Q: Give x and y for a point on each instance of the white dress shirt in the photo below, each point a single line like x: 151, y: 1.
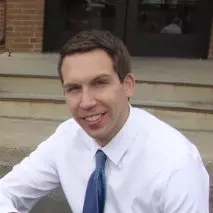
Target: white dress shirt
x: 151, y: 168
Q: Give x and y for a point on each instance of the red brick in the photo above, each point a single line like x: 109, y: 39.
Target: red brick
x: 21, y: 40
x: 37, y: 46
x: 12, y: 33
x: 22, y: 46
x: 25, y: 25
x: 38, y: 34
x: 211, y: 43
x: 28, y: 34
x: 36, y: 40
x: 21, y: 29
x: 2, y: 19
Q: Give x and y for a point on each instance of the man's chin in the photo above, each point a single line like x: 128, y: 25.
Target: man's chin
x: 98, y: 137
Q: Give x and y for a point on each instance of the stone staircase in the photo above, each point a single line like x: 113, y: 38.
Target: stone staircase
x: 179, y: 92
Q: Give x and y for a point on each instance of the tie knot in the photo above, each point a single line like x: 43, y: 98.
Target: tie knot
x: 100, y: 159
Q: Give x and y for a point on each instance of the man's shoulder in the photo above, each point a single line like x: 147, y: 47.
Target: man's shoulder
x: 163, y: 141
x: 170, y: 144
x: 65, y: 131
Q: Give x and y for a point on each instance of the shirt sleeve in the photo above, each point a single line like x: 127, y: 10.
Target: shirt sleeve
x: 187, y: 190
x: 30, y: 180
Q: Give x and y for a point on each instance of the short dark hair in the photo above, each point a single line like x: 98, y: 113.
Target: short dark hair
x: 86, y: 41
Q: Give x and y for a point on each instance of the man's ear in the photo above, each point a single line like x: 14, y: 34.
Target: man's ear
x: 129, y: 84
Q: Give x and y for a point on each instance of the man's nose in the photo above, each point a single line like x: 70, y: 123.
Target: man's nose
x: 87, y: 100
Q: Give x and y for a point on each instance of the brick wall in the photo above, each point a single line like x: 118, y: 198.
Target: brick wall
x: 2, y: 19
x: 211, y: 43
x: 24, y: 31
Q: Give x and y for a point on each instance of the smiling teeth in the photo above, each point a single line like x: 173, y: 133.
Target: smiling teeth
x: 93, y: 118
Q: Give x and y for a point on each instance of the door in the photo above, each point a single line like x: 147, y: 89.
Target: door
x: 177, y: 28
x: 65, y: 18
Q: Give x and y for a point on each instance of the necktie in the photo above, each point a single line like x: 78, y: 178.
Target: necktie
x: 96, y: 187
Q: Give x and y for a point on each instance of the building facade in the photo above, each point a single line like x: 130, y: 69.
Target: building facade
x: 158, y: 28
x: 2, y: 22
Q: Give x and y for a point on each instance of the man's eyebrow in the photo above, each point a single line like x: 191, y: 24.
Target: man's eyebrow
x: 101, y: 76
x: 69, y: 85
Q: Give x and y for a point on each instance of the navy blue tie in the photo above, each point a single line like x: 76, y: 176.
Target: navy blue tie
x: 96, y: 188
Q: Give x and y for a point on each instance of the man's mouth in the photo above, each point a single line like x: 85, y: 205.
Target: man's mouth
x: 94, y: 118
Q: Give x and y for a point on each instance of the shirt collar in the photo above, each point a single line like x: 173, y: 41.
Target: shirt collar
x: 119, y: 145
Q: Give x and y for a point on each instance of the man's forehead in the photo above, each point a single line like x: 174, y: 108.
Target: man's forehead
x: 75, y: 70
x: 88, y: 79
x: 96, y: 54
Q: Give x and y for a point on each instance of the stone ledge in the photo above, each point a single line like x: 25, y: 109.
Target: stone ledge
x: 146, y: 69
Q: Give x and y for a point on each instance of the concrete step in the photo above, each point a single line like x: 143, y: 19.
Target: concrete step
x: 34, y: 109
x: 145, y: 90
x: 20, y: 136
x: 165, y: 95
x: 30, y: 85
x: 190, y: 71
x: 137, y: 99
x: 173, y: 92
x: 178, y: 115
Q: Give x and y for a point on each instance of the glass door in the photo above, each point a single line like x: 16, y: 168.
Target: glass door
x: 65, y: 18
x: 177, y: 28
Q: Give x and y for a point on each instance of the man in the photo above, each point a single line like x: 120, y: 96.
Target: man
x: 173, y: 27
x: 110, y: 157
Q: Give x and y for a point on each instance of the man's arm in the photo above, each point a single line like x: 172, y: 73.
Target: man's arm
x: 187, y: 190
x: 30, y: 180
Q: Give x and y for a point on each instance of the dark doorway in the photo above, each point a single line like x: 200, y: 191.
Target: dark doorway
x: 64, y: 18
x: 176, y: 28
x: 170, y: 28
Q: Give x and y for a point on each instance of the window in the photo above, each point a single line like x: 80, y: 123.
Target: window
x: 167, y: 16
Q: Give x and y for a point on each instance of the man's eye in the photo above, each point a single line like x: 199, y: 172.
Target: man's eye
x: 72, y: 89
x: 99, y: 83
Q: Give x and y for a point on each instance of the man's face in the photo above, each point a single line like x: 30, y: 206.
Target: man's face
x: 96, y: 98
